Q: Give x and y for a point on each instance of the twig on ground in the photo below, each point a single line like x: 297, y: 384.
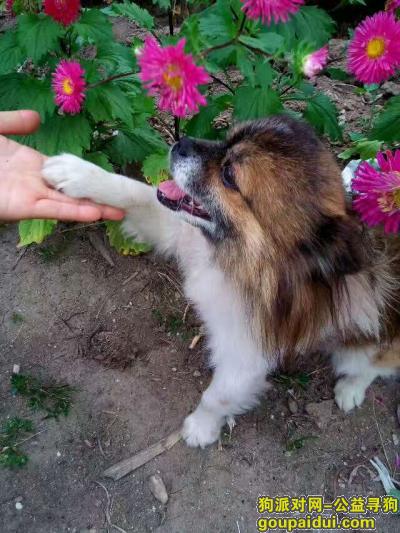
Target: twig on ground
x: 20, y: 256
x: 126, y: 466
x: 107, y: 509
x: 98, y: 245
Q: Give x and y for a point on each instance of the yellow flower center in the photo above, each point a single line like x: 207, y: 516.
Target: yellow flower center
x: 68, y: 86
x: 375, y: 47
x: 173, y: 78
x: 396, y: 198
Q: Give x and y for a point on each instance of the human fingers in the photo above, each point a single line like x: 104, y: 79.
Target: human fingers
x: 107, y: 212
x: 18, y: 122
x: 78, y: 211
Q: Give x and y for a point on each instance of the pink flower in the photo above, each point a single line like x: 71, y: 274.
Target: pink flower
x: 69, y: 86
x: 279, y: 10
x: 374, y: 52
x: 315, y: 62
x: 378, y: 192
x: 63, y: 11
x: 392, y: 5
x: 9, y: 7
x: 172, y: 76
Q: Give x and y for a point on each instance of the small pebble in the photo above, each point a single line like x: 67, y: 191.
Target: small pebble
x: 19, y: 506
x: 293, y: 407
x: 395, y: 439
x: 196, y: 374
x: 158, y: 488
x: 174, y: 369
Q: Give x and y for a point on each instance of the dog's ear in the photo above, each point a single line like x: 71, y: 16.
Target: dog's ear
x: 333, y: 250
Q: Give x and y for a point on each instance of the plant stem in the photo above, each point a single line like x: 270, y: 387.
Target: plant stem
x: 218, y: 80
x: 228, y: 43
x: 171, y: 18
x: 112, y: 78
x: 177, y: 128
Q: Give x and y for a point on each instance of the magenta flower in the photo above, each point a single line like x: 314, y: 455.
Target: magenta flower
x: 69, y: 86
x: 315, y: 62
x: 378, y: 192
x: 9, y: 7
x: 392, y: 5
x: 278, y: 10
x: 63, y: 11
x: 172, y: 76
x: 374, y: 52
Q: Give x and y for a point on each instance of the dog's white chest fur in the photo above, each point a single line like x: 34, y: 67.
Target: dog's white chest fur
x: 216, y: 299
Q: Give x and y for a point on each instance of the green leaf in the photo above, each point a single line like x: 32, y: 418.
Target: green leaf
x: 124, y: 245
x: 132, y: 11
x: 201, y: 125
x: 338, y: 74
x: 387, y: 124
x: 264, y: 73
x: 216, y: 23
x: 61, y: 134
x: 20, y: 91
x: 246, y: 65
x: 38, y: 34
x: 10, y: 52
x: 268, y: 42
x: 36, y: 230
x: 364, y: 148
x: 155, y: 168
x: 310, y: 24
x: 107, y: 102
x: 322, y: 113
x: 94, y: 26
x: 100, y: 159
x: 115, y: 58
x: 252, y: 103
x: 164, y: 4
x: 128, y: 146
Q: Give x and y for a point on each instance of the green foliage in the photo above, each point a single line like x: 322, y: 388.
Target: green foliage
x: 362, y: 148
x: 124, y: 245
x: 322, y: 113
x: 387, y: 124
x: 37, y: 34
x: 132, y: 11
x: 156, y: 168
x: 12, y: 433
x: 54, y: 400
x: 256, y: 102
x: 256, y: 70
x: 35, y: 231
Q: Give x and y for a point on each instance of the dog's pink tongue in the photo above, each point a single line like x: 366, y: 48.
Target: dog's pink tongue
x: 171, y: 190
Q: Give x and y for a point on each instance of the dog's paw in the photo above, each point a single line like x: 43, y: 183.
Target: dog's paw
x: 201, y: 428
x: 349, y: 393
x: 72, y: 175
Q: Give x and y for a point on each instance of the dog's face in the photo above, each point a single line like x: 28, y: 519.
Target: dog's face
x: 267, y: 184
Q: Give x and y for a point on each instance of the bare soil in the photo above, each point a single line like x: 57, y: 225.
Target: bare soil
x: 121, y: 336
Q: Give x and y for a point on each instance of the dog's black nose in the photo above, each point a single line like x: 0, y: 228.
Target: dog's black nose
x: 184, y: 147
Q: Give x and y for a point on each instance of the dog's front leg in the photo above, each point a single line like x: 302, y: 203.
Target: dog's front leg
x: 146, y: 219
x: 238, y: 382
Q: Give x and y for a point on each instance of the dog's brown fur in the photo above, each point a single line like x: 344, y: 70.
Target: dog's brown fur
x: 300, y: 252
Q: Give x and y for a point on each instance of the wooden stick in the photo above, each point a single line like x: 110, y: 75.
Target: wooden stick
x: 126, y: 466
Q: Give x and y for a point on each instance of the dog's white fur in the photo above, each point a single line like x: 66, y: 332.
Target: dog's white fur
x: 240, y: 366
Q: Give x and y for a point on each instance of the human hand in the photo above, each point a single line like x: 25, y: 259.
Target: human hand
x: 23, y: 192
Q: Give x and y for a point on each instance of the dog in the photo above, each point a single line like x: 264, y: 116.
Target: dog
x: 275, y: 261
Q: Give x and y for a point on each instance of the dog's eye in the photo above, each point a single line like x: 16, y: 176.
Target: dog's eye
x: 228, y: 177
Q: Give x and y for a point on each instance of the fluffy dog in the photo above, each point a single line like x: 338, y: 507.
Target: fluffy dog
x: 274, y: 260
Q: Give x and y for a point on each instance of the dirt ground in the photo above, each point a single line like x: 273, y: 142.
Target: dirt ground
x: 118, y: 335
